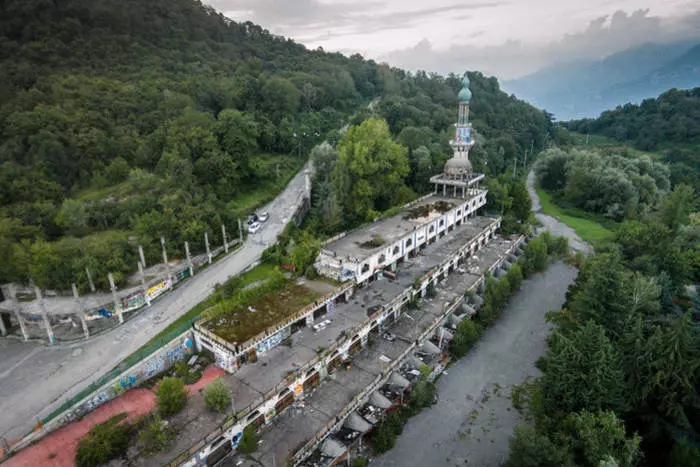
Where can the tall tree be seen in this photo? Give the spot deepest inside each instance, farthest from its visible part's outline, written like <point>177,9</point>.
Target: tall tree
<point>372,168</point>
<point>582,372</point>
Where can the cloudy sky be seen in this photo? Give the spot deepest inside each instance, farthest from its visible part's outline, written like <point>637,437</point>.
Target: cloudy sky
<point>507,38</point>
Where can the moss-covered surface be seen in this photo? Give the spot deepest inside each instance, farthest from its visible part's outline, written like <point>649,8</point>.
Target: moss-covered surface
<point>241,323</point>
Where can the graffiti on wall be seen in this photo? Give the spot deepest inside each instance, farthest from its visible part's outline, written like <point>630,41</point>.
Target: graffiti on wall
<point>133,302</point>
<point>158,364</point>
<point>269,343</point>
<point>159,289</point>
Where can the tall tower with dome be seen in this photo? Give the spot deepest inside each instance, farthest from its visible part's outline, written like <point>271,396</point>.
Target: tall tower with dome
<point>458,177</point>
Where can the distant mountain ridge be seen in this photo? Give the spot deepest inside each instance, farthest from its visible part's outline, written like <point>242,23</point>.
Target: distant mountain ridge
<point>587,88</point>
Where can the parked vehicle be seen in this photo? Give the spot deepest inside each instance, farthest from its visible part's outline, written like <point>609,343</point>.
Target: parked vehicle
<point>254,227</point>
<point>388,336</point>
<point>322,325</point>
<point>252,218</point>
<point>263,216</point>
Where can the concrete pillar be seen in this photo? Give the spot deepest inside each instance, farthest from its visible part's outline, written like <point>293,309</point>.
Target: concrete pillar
<point>165,259</point>
<point>3,329</point>
<point>18,315</point>
<point>223,235</point>
<point>89,278</point>
<point>142,274</point>
<point>81,311</point>
<point>206,244</point>
<point>444,190</point>
<point>117,308</point>
<point>240,231</point>
<point>309,320</point>
<point>189,259</point>
<point>20,320</point>
<point>45,315</point>
<point>141,256</point>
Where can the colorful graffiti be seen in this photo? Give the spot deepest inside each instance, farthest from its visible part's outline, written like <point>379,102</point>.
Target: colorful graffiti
<point>269,343</point>
<point>159,289</point>
<point>133,301</point>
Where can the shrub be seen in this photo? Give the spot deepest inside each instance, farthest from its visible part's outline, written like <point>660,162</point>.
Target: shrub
<point>183,371</point>
<point>383,438</point>
<point>103,442</point>
<point>515,278</point>
<point>217,396</point>
<point>249,441</point>
<point>468,333</point>
<point>155,435</point>
<point>171,395</point>
<point>360,462</point>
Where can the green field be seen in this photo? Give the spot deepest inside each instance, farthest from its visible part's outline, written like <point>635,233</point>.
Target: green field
<point>589,230</point>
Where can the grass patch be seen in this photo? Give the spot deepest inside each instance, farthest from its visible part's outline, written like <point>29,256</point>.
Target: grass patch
<point>589,230</point>
<point>241,323</point>
<point>254,196</point>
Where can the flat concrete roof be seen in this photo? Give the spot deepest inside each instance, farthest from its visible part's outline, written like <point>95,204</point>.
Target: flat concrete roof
<point>283,438</point>
<point>391,230</point>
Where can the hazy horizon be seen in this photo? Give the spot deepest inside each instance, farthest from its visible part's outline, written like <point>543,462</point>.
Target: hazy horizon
<point>507,39</point>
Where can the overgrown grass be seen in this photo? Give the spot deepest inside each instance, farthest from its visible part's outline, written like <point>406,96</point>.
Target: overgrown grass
<point>589,230</point>
<point>242,323</point>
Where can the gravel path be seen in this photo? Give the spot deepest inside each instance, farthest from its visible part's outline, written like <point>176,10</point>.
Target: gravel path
<point>552,224</point>
<point>473,418</point>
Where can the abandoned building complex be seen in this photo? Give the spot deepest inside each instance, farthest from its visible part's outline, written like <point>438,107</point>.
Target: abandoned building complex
<point>342,360</point>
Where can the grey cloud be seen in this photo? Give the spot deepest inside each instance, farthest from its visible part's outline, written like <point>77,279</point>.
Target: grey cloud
<point>602,37</point>
<point>304,19</point>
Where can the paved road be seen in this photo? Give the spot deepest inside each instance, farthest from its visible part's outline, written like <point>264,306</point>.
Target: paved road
<point>552,224</point>
<point>34,379</point>
<point>473,418</point>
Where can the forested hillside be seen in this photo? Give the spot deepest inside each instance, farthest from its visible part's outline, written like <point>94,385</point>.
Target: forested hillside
<point>124,121</point>
<point>669,124</point>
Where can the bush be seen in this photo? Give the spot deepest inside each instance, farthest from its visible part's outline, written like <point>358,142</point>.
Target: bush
<point>468,333</point>
<point>515,278</point>
<point>217,396</point>
<point>103,442</point>
<point>360,462</point>
<point>171,395</point>
<point>249,441</point>
<point>383,438</point>
<point>155,436</point>
<point>183,371</point>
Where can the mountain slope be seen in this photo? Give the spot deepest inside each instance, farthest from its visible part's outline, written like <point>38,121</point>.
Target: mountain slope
<point>124,121</point>
<point>669,123</point>
<point>584,89</point>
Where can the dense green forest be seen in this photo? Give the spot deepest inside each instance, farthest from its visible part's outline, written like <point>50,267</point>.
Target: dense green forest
<point>124,121</point>
<point>621,380</point>
<point>669,124</point>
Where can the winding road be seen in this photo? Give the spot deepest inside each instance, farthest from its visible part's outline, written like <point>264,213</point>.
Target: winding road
<point>35,378</point>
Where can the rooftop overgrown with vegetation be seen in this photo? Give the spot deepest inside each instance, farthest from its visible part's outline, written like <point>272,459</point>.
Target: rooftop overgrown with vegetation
<point>247,312</point>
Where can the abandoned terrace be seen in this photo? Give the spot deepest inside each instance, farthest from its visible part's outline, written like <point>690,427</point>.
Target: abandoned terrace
<point>289,431</point>
<point>254,380</point>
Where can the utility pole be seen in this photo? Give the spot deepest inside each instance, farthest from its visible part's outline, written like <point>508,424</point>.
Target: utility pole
<point>141,256</point>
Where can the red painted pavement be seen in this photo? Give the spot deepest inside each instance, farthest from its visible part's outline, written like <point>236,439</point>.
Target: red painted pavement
<point>58,448</point>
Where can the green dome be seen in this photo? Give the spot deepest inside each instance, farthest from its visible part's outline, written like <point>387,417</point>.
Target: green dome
<point>465,95</point>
